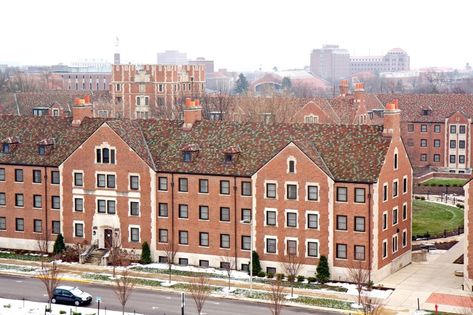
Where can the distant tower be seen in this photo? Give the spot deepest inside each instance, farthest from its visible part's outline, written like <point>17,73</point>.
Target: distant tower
<point>116,55</point>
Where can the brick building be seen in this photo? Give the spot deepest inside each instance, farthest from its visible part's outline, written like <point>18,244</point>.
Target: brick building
<point>147,91</point>
<point>211,189</point>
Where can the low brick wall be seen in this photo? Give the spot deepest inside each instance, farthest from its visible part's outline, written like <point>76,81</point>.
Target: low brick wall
<point>437,190</point>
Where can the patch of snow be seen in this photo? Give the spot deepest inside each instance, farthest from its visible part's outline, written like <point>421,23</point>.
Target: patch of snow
<point>236,274</point>
<point>168,283</point>
<point>227,290</point>
<point>289,297</point>
<point>356,306</point>
<point>375,293</point>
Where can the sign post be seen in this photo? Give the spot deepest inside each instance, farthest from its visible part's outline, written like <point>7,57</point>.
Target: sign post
<point>183,302</point>
<point>98,299</point>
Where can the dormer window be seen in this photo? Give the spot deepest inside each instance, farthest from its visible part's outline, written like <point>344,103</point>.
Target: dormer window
<point>46,145</point>
<point>187,156</point>
<point>228,158</point>
<point>6,148</point>
<point>190,151</point>
<point>426,111</point>
<point>230,154</point>
<point>9,144</point>
<point>42,150</point>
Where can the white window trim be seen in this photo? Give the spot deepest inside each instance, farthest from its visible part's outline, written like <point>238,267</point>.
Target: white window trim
<point>307,212</point>
<point>307,184</point>
<point>288,238</point>
<point>297,190</point>
<point>315,119</point>
<point>396,153</point>
<point>265,216</point>
<point>395,181</point>
<point>407,185</point>
<point>265,187</point>
<point>289,159</point>
<point>395,236</point>
<point>74,197</point>
<point>83,178</point>
<point>312,240</point>
<point>266,237</point>
<point>158,237</point>
<point>129,233</point>
<point>129,208</point>
<point>407,210</point>
<point>105,173</point>
<point>129,181</point>
<point>385,241</point>
<point>336,194</point>
<point>404,231</point>
<point>106,205</point>
<point>74,228</point>
<point>286,211</point>
<point>385,213</point>
<point>387,192</point>
<point>103,146</point>
<point>397,216</point>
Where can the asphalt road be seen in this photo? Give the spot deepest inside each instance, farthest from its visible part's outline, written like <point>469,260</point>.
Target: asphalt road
<point>143,301</point>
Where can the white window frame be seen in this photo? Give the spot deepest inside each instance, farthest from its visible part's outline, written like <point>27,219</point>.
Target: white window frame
<point>395,236</point>
<point>97,173</point>
<point>387,192</point>
<point>289,159</point>
<point>285,190</point>
<point>307,212</point>
<point>74,178</point>
<point>407,210</point>
<point>107,199</point>
<point>265,216</point>
<point>404,232</point>
<point>396,157</point>
<point>286,211</point>
<point>312,240</point>
<point>385,213</point>
<point>407,185</point>
<point>129,208</point>
<point>307,184</point>
<point>129,181</point>
<point>74,228</point>
<point>397,216</point>
<point>105,145</point>
<point>265,244</point>
<point>74,197</point>
<point>288,238</point>
<point>384,243</point>
<point>265,191</point>
<point>134,226</point>
<point>396,181</point>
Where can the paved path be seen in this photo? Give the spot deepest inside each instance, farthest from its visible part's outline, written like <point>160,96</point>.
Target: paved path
<point>420,280</point>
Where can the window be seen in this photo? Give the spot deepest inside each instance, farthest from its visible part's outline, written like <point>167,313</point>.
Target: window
<point>163,184</point>
<point>271,270</point>
<point>187,156</point>
<point>410,128</point>
<point>105,156</point>
<point>404,212</point>
<point>37,226</point>
<point>78,204</point>
<point>79,229</point>
<point>453,129</point>
<point>423,128</point>
<point>2,174</point>
<point>101,182</point>
<point>246,242</point>
<point>19,200</point>
<point>385,192</point>
<point>453,144</point>
<point>134,234</point>
<point>55,202</point>
<point>3,223</point>
<point>183,185</point>
<point>452,158</point>
<point>104,180</point>
<point>270,190</point>
<point>36,176</point>
<point>312,221</point>
<point>225,240</point>
<point>134,208</point>
<point>292,166</point>
<point>461,144</point>
<point>246,188</point>
<point>183,261</point>
<point>291,191</point>
<point>19,224</point>
<point>312,192</point>
<point>404,185</point>
<point>183,211</point>
<point>3,199</point>
<point>437,143</point>
<point>395,188</point>
<point>203,239</point>
<point>18,175</point>
<point>163,210</point>
<point>224,187</point>
<point>359,195</point>
<point>461,159</point>
<point>437,128</point>
<point>423,157</point>
<point>291,247</point>
<point>6,148</point>
<point>395,243</point>
<point>359,224</point>
<point>342,194</point>
<point>312,249</point>
<point>291,219</point>
<point>203,186</point>
<point>271,217</point>
<point>55,178</point>
<point>78,179</point>
<point>183,237</point>
<point>359,252</point>
<point>163,235</point>
<point>224,214</point>
<point>342,222</point>
<point>204,263</point>
<point>423,142</point>
<point>341,251</point>
<point>385,249</point>
<point>246,215</point>
<point>56,225</point>
<point>436,157</point>
<point>462,129</point>
<point>203,212</point>
<point>404,238</point>
<point>110,181</point>
<point>134,182</point>
<point>271,245</point>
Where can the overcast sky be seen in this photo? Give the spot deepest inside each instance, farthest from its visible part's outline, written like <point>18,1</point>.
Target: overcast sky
<point>238,35</point>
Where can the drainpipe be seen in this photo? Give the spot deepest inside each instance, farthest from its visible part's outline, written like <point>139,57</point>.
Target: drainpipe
<point>172,213</point>
<point>235,219</point>
<point>46,230</point>
<point>369,232</point>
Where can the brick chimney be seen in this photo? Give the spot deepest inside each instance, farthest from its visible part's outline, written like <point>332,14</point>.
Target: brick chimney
<point>343,87</point>
<point>359,92</point>
<point>192,113</point>
<point>392,119</point>
<point>80,110</point>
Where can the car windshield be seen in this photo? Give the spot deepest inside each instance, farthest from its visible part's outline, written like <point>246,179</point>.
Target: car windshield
<point>76,291</point>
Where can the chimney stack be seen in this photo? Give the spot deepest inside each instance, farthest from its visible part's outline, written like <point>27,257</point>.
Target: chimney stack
<point>192,113</point>
<point>392,119</point>
<point>80,110</point>
<point>343,87</point>
<point>359,92</point>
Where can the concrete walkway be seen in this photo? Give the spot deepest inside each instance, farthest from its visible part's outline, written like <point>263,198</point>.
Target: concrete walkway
<point>420,280</point>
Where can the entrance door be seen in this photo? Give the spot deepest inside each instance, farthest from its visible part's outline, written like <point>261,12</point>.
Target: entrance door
<point>108,238</point>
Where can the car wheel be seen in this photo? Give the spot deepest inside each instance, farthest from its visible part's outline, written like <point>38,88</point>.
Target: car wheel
<point>53,300</point>
<point>76,303</point>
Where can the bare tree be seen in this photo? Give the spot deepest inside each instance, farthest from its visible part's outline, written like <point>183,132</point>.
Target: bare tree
<point>228,265</point>
<point>50,277</point>
<point>292,267</point>
<point>170,252</point>
<point>124,286</point>
<point>359,276</point>
<point>200,291</point>
<point>117,254</point>
<point>276,296</point>
<point>371,305</point>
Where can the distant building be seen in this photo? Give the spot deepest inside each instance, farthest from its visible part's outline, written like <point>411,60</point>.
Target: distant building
<point>209,64</point>
<point>330,63</point>
<point>172,57</point>
<point>86,81</point>
<point>394,61</point>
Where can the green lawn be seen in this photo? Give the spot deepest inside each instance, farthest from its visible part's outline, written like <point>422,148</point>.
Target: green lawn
<point>445,181</point>
<point>434,218</point>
